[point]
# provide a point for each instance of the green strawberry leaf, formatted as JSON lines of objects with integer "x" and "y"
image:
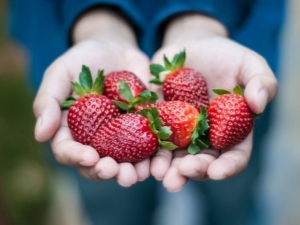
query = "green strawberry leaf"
{"x": 203, "y": 142}
{"x": 123, "y": 106}
{"x": 178, "y": 60}
{"x": 156, "y": 69}
{"x": 167, "y": 145}
{"x": 200, "y": 132}
{"x": 168, "y": 64}
{"x": 147, "y": 97}
{"x": 125, "y": 91}
{"x": 221, "y": 91}
{"x": 67, "y": 104}
{"x": 86, "y": 79}
{"x": 156, "y": 81}
{"x": 154, "y": 112}
{"x": 193, "y": 149}
{"x": 99, "y": 82}
{"x": 143, "y": 112}
{"x": 164, "y": 133}
{"x": 158, "y": 123}
{"x": 78, "y": 89}
{"x": 238, "y": 90}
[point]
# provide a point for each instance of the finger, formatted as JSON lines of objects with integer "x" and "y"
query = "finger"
{"x": 105, "y": 169}
{"x": 160, "y": 163}
{"x": 231, "y": 161}
{"x": 174, "y": 180}
{"x": 69, "y": 152}
{"x": 195, "y": 166}
{"x": 139, "y": 67}
{"x": 127, "y": 175}
{"x": 54, "y": 89}
{"x": 142, "y": 169}
{"x": 260, "y": 83}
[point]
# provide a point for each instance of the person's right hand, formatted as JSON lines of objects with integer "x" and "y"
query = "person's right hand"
{"x": 110, "y": 52}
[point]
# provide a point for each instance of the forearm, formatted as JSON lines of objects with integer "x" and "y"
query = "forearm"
{"x": 105, "y": 25}
{"x": 191, "y": 27}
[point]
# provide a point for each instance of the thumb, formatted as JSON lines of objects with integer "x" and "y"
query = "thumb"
{"x": 54, "y": 89}
{"x": 260, "y": 83}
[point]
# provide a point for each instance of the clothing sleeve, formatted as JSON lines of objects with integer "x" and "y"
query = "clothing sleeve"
{"x": 231, "y": 13}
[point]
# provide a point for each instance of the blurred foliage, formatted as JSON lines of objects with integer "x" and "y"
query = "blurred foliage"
{"x": 24, "y": 175}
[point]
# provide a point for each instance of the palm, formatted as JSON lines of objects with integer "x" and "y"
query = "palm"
{"x": 56, "y": 87}
{"x": 224, "y": 64}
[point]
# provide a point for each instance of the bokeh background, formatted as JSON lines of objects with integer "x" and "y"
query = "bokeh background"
{"x": 32, "y": 194}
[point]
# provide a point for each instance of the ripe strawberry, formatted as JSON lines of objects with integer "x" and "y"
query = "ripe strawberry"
{"x": 180, "y": 83}
{"x": 111, "y": 85}
{"x": 184, "y": 121}
{"x": 91, "y": 109}
{"x": 230, "y": 118}
{"x": 131, "y": 137}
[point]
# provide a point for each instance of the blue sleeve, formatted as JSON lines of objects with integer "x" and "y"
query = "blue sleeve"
{"x": 71, "y": 10}
{"x": 231, "y": 13}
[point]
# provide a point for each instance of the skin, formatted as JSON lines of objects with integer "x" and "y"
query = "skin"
{"x": 224, "y": 64}
{"x": 104, "y": 40}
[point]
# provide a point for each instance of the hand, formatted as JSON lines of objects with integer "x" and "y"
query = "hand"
{"x": 103, "y": 50}
{"x": 224, "y": 64}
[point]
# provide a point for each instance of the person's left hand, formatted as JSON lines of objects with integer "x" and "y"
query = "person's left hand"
{"x": 224, "y": 64}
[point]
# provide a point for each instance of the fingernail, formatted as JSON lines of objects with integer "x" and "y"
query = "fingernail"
{"x": 262, "y": 99}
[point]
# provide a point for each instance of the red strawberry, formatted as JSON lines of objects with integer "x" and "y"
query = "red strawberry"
{"x": 180, "y": 83}
{"x": 111, "y": 85}
{"x": 230, "y": 118}
{"x": 184, "y": 121}
{"x": 91, "y": 109}
{"x": 131, "y": 137}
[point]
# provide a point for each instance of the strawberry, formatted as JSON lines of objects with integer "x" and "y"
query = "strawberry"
{"x": 111, "y": 85}
{"x": 185, "y": 122}
{"x": 230, "y": 118}
{"x": 130, "y": 102}
{"x": 131, "y": 137}
{"x": 180, "y": 83}
{"x": 91, "y": 109}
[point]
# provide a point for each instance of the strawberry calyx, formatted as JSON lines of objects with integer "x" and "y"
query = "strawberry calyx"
{"x": 160, "y": 72}
{"x": 236, "y": 90}
{"x": 146, "y": 97}
{"x": 162, "y": 132}
{"x": 85, "y": 86}
{"x": 200, "y": 139}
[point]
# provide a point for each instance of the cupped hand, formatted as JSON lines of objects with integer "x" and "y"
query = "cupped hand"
{"x": 56, "y": 87}
{"x": 224, "y": 64}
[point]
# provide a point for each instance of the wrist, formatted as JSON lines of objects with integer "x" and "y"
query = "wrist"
{"x": 189, "y": 27}
{"x": 104, "y": 25}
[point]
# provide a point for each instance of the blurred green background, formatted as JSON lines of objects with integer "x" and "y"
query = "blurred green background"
{"x": 24, "y": 175}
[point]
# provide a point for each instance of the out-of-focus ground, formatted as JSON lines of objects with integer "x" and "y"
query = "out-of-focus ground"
{"x": 30, "y": 194}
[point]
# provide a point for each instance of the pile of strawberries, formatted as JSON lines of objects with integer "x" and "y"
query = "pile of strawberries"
{"x": 120, "y": 118}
